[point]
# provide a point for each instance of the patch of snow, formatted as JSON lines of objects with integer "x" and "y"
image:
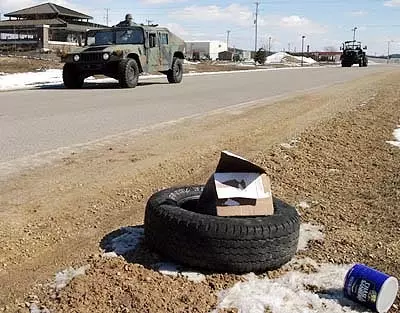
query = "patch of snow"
{"x": 286, "y": 146}
{"x": 290, "y": 145}
{"x": 110, "y": 255}
{"x": 33, "y": 308}
{"x": 285, "y": 58}
{"x": 30, "y": 79}
{"x": 309, "y": 233}
{"x": 127, "y": 241}
{"x": 294, "y": 292}
{"x": 64, "y": 277}
{"x": 304, "y": 205}
{"x": 53, "y": 77}
{"x": 174, "y": 270}
{"x": 396, "y": 135}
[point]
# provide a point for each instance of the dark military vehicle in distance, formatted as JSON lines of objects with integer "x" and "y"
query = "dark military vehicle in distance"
{"x": 352, "y": 53}
{"x": 123, "y": 53}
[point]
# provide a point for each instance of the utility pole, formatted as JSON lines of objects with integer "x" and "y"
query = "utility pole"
{"x": 354, "y": 33}
{"x": 227, "y": 39}
{"x": 302, "y": 50}
{"x": 149, "y": 22}
{"x": 388, "y": 57}
{"x": 289, "y": 47}
{"x": 256, "y": 23}
{"x": 269, "y": 45}
{"x": 107, "y": 15}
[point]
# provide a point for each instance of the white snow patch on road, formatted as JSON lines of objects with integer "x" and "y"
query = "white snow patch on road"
{"x": 295, "y": 292}
{"x": 309, "y": 233}
{"x": 64, "y": 277}
{"x": 396, "y": 135}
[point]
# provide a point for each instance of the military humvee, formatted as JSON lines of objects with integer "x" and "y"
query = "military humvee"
{"x": 123, "y": 53}
{"x": 353, "y": 54}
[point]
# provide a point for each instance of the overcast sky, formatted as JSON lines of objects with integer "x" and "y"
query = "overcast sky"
{"x": 325, "y": 23}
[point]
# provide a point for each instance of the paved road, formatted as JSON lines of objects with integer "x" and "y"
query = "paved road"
{"x": 44, "y": 120}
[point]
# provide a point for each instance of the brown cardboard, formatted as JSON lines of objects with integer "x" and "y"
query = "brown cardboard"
{"x": 237, "y": 188}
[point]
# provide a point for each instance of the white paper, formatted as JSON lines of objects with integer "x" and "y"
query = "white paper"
{"x": 240, "y": 185}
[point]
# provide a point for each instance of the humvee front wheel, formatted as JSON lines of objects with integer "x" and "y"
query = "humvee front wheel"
{"x": 71, "y": 77}
{"x": 175, "y": 74}
{"x": 128, "y": 73}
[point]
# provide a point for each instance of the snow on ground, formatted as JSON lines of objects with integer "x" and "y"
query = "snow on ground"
{"x": 294, "y": 292}
{"x": 31, "y": 79}
{"x": 54, "y": 78}
{"x": 127, "y": 241}
{"x": 309, "y": 233}
{"x": 64, "y": 277}
{"x": 285, "y": 58}
{"x": 396, "y": 135}
{"x": 174, "y": 270}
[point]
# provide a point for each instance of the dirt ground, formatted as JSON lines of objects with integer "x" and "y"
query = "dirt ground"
{"x": 335, "y": 158}
{"x": 11, "y": 65}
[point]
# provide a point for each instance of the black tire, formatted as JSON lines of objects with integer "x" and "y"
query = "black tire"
{"x": 128, "y": 73}
{"x": 175, "y": 74}
{"x": 71, "y": 77}
{"x": 234, "y": 244}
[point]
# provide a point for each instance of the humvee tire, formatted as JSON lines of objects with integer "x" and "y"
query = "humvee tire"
{"x": 71, "y": 77}
{"x": 175, "y": 74}
{"x": 128, "y": 73}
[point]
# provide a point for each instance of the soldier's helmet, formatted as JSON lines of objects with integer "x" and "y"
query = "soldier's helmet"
{"x": 128, "y": 17}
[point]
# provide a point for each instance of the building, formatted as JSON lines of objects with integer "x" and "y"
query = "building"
{"x": 199, "y": 50}
{"x": 46, "y": 26}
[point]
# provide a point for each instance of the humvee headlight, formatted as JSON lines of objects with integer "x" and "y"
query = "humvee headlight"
{"x": 76, "y": 57}
{"x": 106, "y": 56}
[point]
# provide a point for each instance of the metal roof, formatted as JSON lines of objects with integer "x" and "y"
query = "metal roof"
{"x": 24, "y": 23}
{"x": 48, "y": 9}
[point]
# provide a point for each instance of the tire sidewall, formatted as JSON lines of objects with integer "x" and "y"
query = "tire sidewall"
{"x": 282, "y": 212}
{"x": 129, "y": 73}
{"x": 178, "y": 70}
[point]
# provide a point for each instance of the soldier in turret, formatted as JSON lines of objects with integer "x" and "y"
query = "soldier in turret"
{"x": 127, "y": 22}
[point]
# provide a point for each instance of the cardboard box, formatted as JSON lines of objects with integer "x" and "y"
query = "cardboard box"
{"x": 237, "y": 188}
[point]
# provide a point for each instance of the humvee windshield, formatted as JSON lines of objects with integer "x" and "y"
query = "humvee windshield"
{"x": 133, "y": 36}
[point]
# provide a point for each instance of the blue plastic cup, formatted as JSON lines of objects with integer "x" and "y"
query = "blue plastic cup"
{"x": 371, "y": 288}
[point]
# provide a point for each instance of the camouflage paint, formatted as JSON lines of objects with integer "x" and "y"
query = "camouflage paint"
{"x": 151, "y": 60}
